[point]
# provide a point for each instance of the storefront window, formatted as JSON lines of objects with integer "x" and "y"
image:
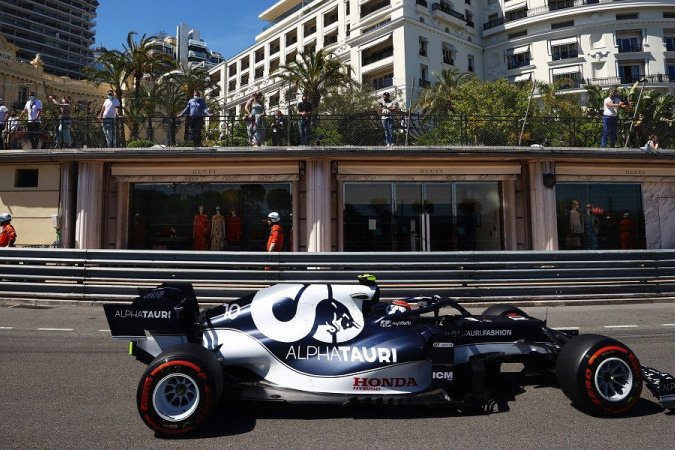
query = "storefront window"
{"x": 595, "y": 216}
{"x": 163, "y": 215}
{"x": 422, "y": 216}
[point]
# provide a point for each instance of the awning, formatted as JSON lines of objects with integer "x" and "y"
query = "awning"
{"x": 309, "y": 40}
{"x": 374, "y": 42}
{"x": 204, "y": 172}
{"x": 518, "y": 50}
{"x": 564, "y": 41}
{"x": 565, "y": 70}
{"x": 387, "y": 169}
{"x": 449, "y": 47}
{"x": 522, "y": 77}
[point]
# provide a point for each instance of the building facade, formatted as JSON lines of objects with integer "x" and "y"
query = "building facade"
{"x": 399, "y": 44}
{"x": 61, "y": 31}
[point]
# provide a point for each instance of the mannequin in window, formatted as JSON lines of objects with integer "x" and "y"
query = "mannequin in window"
{"x": 201, "y": 230}
{"x": 591, "y": 225}
{"x": 627, "y": 228}
{"x": 233, "y": 225}
{"x": 576, "y": 227}
{"x": 218, "y": 231}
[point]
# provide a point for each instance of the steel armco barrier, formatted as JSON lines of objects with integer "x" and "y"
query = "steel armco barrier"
{"x": 101, "y": 275}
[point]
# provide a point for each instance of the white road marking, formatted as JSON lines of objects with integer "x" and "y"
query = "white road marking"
{"x": 6, "y": 328}
{"x": 55, "y": 329}
{"x": 105, "y": 331}
{"x": 620, "y": 326}
{"x": 668, "y": 324}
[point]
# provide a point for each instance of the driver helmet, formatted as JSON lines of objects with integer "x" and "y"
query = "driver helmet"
{"x": 397, "y": 306}
{"x": 274, "y": 217}
{"x": 5, "y": 217}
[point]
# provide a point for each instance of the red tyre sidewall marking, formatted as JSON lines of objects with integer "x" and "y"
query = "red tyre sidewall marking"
{"x": 589, "y": 376}
{"x": 147, "y": 388}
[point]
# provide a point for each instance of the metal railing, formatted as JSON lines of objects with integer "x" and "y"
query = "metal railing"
{"x": 358, "y": 129}
{"x": 467, "y": 276}
{"x": 554, "y": 5}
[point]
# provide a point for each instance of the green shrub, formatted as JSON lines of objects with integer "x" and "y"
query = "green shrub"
{"x": 138, "y": 143}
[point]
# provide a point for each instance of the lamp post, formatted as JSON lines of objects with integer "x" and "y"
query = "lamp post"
{"x": 643, "y": 80}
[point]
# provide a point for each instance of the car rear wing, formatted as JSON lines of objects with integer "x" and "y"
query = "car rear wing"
{"x": 662, "y": 385}
{"x": 170, "y": 309}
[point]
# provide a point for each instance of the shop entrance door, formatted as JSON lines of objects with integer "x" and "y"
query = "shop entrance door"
{"x": 423, "y": 217}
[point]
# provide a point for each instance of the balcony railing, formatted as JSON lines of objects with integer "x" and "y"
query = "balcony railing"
{"x": 368, "y": 9}
{"x": 382, "y": 83}
{"x": 423, "y": 3}
{"x": 517, "y": 64}
{"x": 627, "y": 48}
{"x": 424, "y": 83}
{"x": 443, "y": 7}
{"x": 552, "y": 6}
{"x": 378, "y": 56}
{"x": 565, "y": 55}
{"x": 632, "y": 79}
{"x": 448, "y": 60}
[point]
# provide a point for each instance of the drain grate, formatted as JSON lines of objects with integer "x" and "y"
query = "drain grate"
{"x": 32, "y": 307}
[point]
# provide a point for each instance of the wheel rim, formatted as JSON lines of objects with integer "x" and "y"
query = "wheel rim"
{"x": 614, "y": 380}
{"x": 176, "y": 397}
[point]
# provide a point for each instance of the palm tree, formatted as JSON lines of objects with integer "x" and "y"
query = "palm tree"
{"x": 141, "y": 61}
{"x": 438, "y": 98}
{"x": 111, "y": 69}
{"x": 315, "y": 73}
{"x": 148, "y": 102}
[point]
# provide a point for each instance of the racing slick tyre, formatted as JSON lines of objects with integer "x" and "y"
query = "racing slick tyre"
{"x": 180, "y": 390}
{"x": 503, "y": 309}
{"x": 599, "y": 375}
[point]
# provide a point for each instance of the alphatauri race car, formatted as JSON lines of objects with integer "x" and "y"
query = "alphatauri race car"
{"x": 337, "y": 343}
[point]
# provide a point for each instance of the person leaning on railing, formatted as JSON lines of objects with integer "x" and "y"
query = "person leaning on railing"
{"x": 63, "y": 132}
{"x": 196, "y": 110}
{"x": 4, "y": 115}
{"x": 33, "y": 110}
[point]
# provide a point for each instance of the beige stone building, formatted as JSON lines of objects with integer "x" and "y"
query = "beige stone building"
{"x": 30, "y": 190}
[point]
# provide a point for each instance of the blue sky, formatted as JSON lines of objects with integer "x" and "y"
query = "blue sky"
{"x": 227, "y": 26}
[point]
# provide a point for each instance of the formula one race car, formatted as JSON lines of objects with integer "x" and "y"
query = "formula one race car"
{"x": 335, "y": 343}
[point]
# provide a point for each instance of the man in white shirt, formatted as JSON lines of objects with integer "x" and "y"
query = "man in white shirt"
{"x": 33, "y": 109}
{"x": 4, "y": 115}
{"x": 109, "y": 112}
{"x": 386, "y": 111}
{"x": 610, "y": 117}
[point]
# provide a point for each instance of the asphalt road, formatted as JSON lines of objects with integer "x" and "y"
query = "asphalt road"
{"x": 66, "y": 384}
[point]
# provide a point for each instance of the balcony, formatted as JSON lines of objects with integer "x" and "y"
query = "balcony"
{"x": 424, "y": 83}
{"x": 423, "y": 3}
{"x": 196, "y": 43}
{"x": 373, "y": 6}
{"x": 444, "y": 12}
{"x": 383, "y": 83}
{"x": 552, "y": 6}
{"x": 518, "y": 64}
{"x": 378, "y": 56}
{"x": 627, "y": 48}
{"x": 632, "y": 79}
{"x": 565, "y": 55}
{"x": 448, "y": 60}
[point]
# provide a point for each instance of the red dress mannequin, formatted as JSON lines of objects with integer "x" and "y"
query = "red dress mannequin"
{"x": 201, "y": 231}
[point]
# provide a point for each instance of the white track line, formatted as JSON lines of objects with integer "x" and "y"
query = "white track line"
{"x": 55, "y": 329}
{"x": 6, "y": 328}
{"x": 620, "y": 326}
{"x": 105, "y": 331}
{"x": 668, "y": 324}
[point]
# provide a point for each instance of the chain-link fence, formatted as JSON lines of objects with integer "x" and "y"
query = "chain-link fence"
{"x": 362, "y": 129}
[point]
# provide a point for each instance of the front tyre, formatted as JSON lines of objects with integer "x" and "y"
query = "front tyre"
{"x": 180, "y": 390}
{"x": 599, "y": 375}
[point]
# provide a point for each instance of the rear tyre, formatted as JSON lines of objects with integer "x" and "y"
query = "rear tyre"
{"x": 599, "y": 375}
{"x": 180, "y": 390}
{"x": 504, "y": 309}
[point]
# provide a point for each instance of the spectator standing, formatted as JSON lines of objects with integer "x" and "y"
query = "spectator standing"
{"x": 7, "y": 232}
{"x": 386, "y": 111}
{"x": 275, "y": 242}
{"x": 305, "y": 121}
{"x": 9, "y": 135}
{"x": 4, "y": 116}
{"x": 610, "y": 118}
{"x": 255, "y": 114}
{"x": 196, "y": 110}
{"x": 63, "y": 132}
{"x": 109, "y": 112}
{"x": 278, "y": 127}
{"x": 33, "y": 109}
{"x": 652, "y": 144}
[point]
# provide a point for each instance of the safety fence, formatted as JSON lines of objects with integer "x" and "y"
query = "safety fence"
{"x": 507, "y": 276}
{"x": 362, "y": 129}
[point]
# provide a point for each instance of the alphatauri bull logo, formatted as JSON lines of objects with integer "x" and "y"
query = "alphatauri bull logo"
{"x": 327, "y": 313}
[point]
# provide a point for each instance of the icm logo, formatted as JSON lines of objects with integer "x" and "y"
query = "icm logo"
{"x": 442, "y": 376}
{"x": 330, "y": 319}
